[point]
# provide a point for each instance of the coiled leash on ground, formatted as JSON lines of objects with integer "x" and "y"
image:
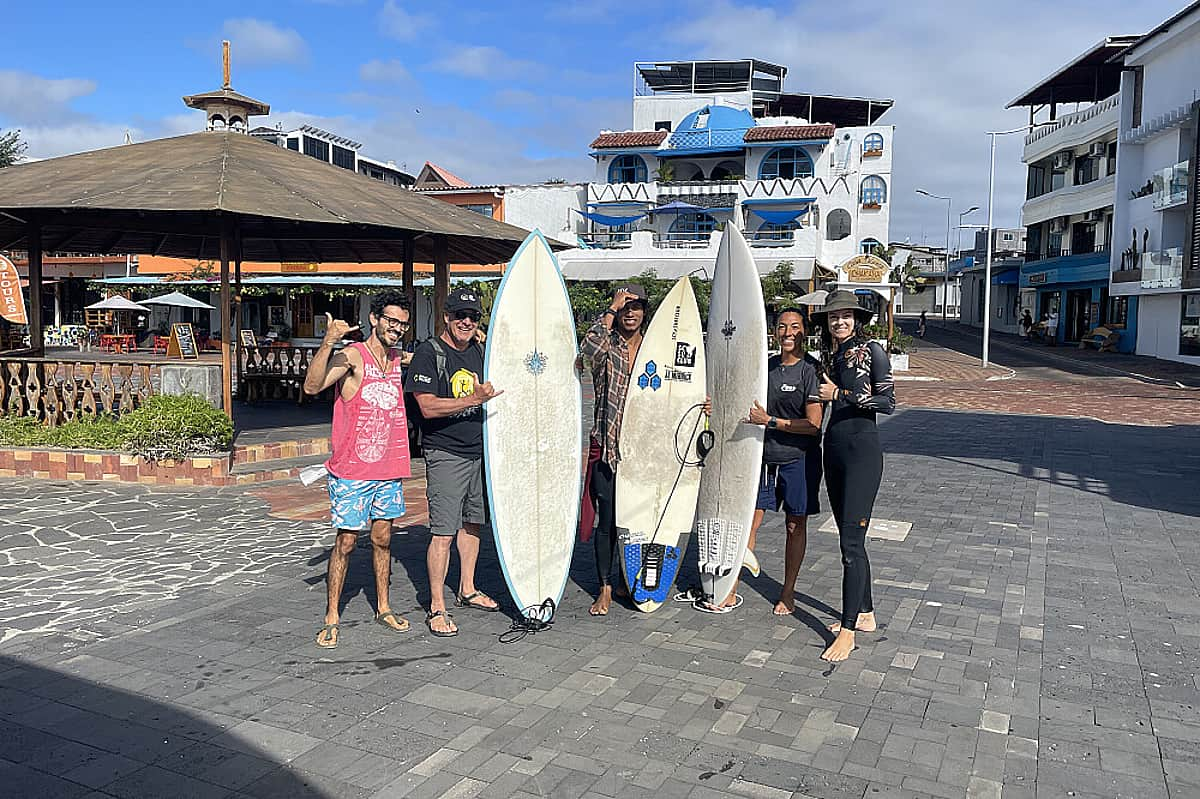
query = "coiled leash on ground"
{"x": 534, "y": 619}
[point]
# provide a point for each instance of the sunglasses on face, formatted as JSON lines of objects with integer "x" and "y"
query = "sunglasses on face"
{"x": 471, "y": 315}
{"x": 392, "y": 321}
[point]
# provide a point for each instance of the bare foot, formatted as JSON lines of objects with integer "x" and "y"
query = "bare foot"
{"x": 841, "y": 647}
{"x": 865, "y": 624}
{"x": 784, "y": 608}
{"x": 603, "y": 602}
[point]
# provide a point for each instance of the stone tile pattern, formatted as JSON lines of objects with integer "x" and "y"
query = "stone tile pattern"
{"x": 1042, "y": 638}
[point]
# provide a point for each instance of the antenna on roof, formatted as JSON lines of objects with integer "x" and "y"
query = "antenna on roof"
{"x": 225, "y": 63}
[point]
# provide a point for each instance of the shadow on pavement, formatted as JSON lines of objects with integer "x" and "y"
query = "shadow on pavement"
{"x": 63, "y": 736}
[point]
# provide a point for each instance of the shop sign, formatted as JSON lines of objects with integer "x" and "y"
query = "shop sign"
{"x": 12, "y": 303}
{"x": 866, "y": 269}
{"x": 1037, "y": 278}
{"x": 299, "y": 267}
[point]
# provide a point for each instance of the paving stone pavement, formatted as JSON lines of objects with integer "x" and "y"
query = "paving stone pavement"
{"x": 1041, "y": 638}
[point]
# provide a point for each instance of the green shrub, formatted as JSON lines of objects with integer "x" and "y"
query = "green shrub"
{"x": 163, "y": 428}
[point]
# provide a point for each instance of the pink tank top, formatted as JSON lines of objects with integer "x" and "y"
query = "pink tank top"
{"x": 370, "y": 431}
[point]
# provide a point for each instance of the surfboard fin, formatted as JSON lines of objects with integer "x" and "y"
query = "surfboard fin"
{"x": 750, "y": 563}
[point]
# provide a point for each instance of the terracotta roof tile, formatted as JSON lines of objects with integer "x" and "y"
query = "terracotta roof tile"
{"x": 789, "y": 132}
{"x": 630, "y": 138}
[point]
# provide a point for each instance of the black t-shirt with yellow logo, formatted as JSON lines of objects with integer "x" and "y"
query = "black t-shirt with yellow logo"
{"x": 461, "y": 434}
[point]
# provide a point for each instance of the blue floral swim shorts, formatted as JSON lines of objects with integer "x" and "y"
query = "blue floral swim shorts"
{"x": 353, "y": 504}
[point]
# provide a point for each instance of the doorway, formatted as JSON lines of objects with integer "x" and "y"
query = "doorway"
{"x": 1078, "y": 302}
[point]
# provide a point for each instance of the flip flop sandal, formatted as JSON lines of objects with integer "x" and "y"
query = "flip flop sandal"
{"x": 429, "y": 617}
{"x": 402, "y": 625}
{"x": 328, "y": 634}
{"x": 465, "y": 602}
{"x": 689, "y": 596}
{"x": 705, "y": 607}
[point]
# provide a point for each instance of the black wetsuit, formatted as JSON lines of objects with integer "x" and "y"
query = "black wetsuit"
{"x": 854, "y": 462}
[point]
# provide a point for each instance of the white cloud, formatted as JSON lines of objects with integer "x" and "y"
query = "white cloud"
{"x": 484, "y": 62}
{"x": 951, "y": 68}
{"x": 30, "y": 99}
{"x": 378, "y": 71}
{"x": 260, "y": 42}
{"x": 400, "y": 24}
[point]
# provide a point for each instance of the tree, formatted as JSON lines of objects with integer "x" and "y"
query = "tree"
{"x": 11, "y": 148}
{"x": 905, "y": 275}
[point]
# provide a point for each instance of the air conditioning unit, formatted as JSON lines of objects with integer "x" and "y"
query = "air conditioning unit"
{"x": 1062, "y": 160}
{"x": 1094, "y": 216}
{"x": 1098, "y": 149}
{"x": 1058, "y": 224}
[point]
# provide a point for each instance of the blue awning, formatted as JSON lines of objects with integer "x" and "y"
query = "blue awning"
{"x": 610, "y": 221}
{"x": 1006, "y": 278}
{"x": 678, "y": 207}
{"x": 779, "y": 217}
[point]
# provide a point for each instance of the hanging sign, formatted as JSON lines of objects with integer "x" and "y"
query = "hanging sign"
{"x": 866, "y": 269}
{"x": 183, "y": 342}
{"x": 12, "y": 303}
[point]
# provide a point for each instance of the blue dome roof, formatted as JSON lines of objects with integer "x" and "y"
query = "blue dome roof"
{"x": 717, "y": 117}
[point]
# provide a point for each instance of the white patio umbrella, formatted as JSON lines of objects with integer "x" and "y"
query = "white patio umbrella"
{"x": 817, "y": 297}
{"x": 118, "y": 303}
{"x": 178, "y": 300}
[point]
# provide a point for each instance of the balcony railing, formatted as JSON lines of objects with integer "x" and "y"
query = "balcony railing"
{"x": 608, "y": 240}
{"x": 1163, "y": 269}
{"x": 682, "y": 240}
{"x": 707, "y": 138}
{"x": 1092, "y": 111}
{"x": 1170, "y": 186}
{"x": 773, "y": 238}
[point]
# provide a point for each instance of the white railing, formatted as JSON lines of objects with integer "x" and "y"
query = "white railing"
{"x": 682, "y": 240}
{"x": 1091, "y": 112}
{"x": 1162, "y": 269}
{"x": 774, "y": 238}
{"x": 608, "y": 240}
{"x": 1170, "y": 186}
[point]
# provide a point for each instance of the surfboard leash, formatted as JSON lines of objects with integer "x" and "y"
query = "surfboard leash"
{"x": 533, "y": 620}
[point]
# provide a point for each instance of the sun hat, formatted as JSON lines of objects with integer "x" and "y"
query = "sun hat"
{"x": 841, "y": 301}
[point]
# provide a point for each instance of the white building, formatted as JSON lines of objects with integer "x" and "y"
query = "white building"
{"x": 807, "y": 178}
{"x": 334, "y": 149}
{"x": 1155, "y": 260}
{"x": 1070, "y": 163}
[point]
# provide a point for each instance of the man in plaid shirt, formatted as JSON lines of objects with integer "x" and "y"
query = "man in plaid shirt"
{"x": 610, "y": 346}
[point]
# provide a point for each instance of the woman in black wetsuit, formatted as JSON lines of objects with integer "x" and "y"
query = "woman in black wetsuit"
{"x": 858, "y": 385}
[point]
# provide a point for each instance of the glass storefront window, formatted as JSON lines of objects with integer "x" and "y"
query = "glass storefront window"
{"x": 1189, "y": 326}
{"x": 1118, "y": 312}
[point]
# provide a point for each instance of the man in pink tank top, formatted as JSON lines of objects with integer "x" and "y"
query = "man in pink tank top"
{"x": 370, "y": 449}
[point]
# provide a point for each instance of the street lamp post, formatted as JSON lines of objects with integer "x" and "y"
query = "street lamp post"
{"x": 946, "y": 273}
{"x": 958, "y": 235}
{"x": 987, "y": 269}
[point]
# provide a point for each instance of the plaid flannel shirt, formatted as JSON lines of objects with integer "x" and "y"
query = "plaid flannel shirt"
{"x": 608, "y": 355}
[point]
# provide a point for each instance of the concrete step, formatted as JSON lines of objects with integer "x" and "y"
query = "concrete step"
{"x": 273, "y": 469}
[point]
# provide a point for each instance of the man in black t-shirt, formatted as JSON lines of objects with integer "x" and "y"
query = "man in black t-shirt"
{"x": 444, "y": 378}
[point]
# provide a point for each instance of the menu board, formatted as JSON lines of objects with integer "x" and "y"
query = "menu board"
{"x": 247, "y": 338}
{"x": 183, "y": 342}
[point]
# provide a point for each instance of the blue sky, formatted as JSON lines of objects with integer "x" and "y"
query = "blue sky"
{"x": 514, "y": 92}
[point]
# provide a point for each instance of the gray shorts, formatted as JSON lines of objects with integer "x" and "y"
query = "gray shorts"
{"x": 454, "y": 487}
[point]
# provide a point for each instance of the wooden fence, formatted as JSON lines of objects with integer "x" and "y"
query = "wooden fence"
{"x": 56, "y": 391}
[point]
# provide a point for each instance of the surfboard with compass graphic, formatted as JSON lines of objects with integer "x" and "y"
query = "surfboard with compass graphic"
{"x": 659, "y": 474}
{"x": 532, "y": 446}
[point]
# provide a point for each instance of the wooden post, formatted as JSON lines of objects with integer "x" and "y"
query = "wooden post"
{"x": 237, "y": 308}
{"x": 441, "y": 281}
{"x": 37, "y": 338}
{"x": 409, "y": 275}
{"x": 226, "y": 326}
{"x": 891, "y": 312}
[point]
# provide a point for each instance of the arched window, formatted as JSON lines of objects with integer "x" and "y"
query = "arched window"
{"x": 627, "y": 169}
{"x": 216, "y": 122}
{"x": 837, "y": 224}
{"x": 786, "y": 162}
{"x": 873, "y": 145}
{"x": 867, "y": 246}
{"x": 692, "y": 227}
{"x": 689, "y": 172}
{"x": 874, "y": 191}
{"x": 237, "y": 123}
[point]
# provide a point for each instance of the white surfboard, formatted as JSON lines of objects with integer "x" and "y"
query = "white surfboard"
{"x": 532, "y": 446}
{"x": 658, "y": 477}
{"x": 737, "y": 377}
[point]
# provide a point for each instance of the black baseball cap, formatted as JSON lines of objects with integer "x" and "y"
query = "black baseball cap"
{"x": 463, "y": 298}
{"x": 636, "y": 289}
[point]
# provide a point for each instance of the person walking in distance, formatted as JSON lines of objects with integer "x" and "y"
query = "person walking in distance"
{"x": 921, "y": 325}
{"x": 370, "y": 456}
{"x": 857, "y": 385}
{"x": 444, "y": 377}
{"x": 610, "y": 346}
